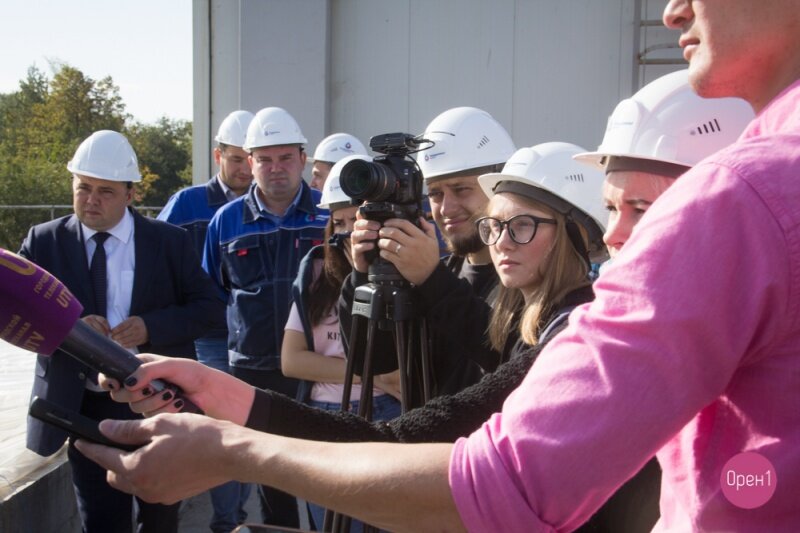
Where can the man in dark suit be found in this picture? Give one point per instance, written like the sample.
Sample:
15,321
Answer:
140,283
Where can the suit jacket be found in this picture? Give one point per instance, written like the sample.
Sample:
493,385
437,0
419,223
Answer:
171,293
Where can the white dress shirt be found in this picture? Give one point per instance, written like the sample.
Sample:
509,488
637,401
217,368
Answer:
120,264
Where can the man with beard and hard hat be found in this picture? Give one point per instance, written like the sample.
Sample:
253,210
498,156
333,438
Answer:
192,209
468,142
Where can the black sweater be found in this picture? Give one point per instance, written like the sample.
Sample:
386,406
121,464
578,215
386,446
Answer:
633,508
452,301
442,419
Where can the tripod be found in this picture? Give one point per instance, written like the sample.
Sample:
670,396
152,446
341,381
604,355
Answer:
386,304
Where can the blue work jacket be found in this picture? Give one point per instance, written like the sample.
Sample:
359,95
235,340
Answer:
254,257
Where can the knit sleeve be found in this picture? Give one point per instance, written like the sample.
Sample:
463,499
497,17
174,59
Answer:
442,419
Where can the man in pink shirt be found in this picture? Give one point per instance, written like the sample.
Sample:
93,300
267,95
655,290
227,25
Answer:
691,350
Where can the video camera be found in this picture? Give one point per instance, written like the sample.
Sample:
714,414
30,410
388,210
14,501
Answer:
391,185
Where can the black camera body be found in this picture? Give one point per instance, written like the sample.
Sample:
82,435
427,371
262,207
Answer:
389,186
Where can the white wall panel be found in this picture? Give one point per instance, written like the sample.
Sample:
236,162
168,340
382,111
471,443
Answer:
462,54
369,69
573,65
284,47
546,69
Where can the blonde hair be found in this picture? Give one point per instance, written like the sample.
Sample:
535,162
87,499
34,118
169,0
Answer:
562,271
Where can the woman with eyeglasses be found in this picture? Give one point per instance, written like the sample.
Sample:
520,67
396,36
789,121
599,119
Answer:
543,218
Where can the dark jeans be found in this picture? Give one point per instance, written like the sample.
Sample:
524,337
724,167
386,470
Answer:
277,507
384,407
104,509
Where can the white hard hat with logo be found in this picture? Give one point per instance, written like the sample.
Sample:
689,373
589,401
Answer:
667,124
272,126
106,155
554,178
333,197
334,147
466,138
233,129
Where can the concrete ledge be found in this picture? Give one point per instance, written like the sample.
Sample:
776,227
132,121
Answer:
45,503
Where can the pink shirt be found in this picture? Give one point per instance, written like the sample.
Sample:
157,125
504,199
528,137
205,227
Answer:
691,350
327,342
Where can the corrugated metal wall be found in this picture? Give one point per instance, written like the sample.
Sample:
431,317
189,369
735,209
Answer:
546,69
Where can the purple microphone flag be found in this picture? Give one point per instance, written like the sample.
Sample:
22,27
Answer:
31,295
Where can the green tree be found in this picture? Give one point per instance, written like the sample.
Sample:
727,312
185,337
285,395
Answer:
164,150
41,125
44,125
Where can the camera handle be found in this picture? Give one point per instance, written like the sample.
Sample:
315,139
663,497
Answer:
385,304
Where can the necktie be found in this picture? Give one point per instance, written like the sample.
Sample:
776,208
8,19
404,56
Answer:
97,271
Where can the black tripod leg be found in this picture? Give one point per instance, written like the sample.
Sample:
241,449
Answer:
401,347
352,355
341,523
425,362
327,522
365,402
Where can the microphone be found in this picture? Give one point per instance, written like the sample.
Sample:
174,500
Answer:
39,314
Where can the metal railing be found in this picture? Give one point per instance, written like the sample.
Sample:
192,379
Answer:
147,210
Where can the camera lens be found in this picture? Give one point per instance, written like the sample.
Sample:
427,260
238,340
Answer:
364,180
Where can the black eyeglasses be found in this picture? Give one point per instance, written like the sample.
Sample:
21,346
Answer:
521,228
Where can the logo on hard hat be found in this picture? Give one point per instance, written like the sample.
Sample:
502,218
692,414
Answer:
348,147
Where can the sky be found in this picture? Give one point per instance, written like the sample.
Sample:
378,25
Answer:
144,45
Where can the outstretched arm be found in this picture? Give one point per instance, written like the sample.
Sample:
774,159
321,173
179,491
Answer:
222,396
394,486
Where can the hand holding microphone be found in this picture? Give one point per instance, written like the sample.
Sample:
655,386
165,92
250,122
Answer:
39,314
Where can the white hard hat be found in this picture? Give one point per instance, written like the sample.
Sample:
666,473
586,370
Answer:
667,122
554,178
465,138
334,147
106,155
332,194
272,126
233,129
